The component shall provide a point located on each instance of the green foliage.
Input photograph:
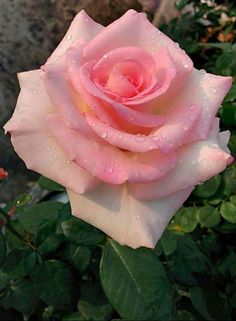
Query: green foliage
(54, 266)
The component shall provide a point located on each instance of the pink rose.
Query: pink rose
(120, 117)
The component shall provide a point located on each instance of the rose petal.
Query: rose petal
(197, 162)
(82, 29)
(116, 137)
(134, 117)
(33, 141)
(146, 36)
(73, 62)
(177, 128)
(127, 220)
(205, 90)
(65, 99)
(107, 162)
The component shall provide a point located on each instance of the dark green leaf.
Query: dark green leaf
(184, 315)
(12, 240)
(229, 176)
(209, 188)
(4, 280)
(76, 316)
(20, 296)
(141, 277)
(81, 233)
(168, 241)
(208, 216)
(225, 266)
(47, 183)
(187, 260)
(55, 284)
(78, 255)
(2, 248)
(228, 212)
(63, 215)
(14, 265)
(185, 220)
(198, 300)
(36, 216)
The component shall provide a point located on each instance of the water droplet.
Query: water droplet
(69, 37)
(119, 135)
(139, 138)
(55, 58)
(68, 161)
(204, 163)
(109, 170)
(185, 127)
(202, 71)
(93, 125)
(186, 65)
(105, 56)
(35, 91)
(48, 148)
(213, 90)
(176, 45)
(104, 135)
(138, 216)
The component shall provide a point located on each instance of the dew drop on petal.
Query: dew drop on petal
(109, 170)
(139, 138)
(103, 134)
(69, 37)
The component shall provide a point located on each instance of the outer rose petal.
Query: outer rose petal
(33, 141)
(129, 221)
(197, 162)
(205, 90)
(82, 29)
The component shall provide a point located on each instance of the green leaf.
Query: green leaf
(14, 265)
(168, 242)
(20, 296)
(4, 280)
(48, 184)
(136, 283)
(227, 263)
(231, 96)
(78, 255)
(198, 300)
(93, 304)
(209, 188)
(55, 284)
(229, 176)
(34, 217)
(2, 248)
(228, 212)
(208, 216)
(184, 315)
(184, 220)
(188, 260)
(81, 232)
(228, 114)
(76, 316)
(51, 244)
(12, 240)
(63, 215)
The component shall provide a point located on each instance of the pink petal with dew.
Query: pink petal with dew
(145, 36)
(81, 30)
(107, 162)
(32, 139)
(196, 163)
(65, 99)
(127, 220)
(73, 62)
(207, 91)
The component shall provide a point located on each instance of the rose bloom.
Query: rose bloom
(119, 116)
